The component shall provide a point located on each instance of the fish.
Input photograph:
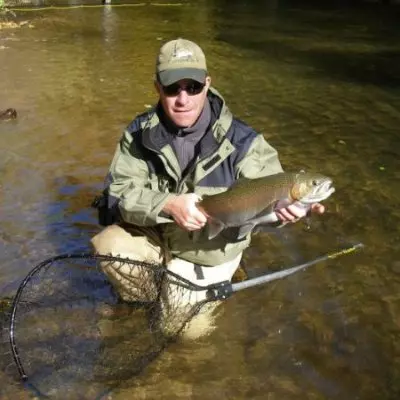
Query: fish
(252, 202)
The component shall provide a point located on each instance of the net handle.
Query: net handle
(222, 290)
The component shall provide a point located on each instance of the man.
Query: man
(187, 146)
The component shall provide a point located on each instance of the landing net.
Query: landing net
(67, 330)
(67, 326)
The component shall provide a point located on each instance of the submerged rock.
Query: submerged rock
(10, 113)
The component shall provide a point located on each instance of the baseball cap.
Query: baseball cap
(180, 59)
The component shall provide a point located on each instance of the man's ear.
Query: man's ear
(208, 81)
(157, 86)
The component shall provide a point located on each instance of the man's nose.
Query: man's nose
(182, 98)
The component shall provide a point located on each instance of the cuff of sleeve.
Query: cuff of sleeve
(146, 213)
(157, 210)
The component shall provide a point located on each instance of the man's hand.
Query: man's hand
(293, 212)
(183, 210)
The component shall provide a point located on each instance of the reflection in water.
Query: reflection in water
(322, 85)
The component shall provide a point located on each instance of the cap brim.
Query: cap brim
(171, 76)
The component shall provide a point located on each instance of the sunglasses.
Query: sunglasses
(192, 88)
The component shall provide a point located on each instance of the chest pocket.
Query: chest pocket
(159, 179)
(161, 183)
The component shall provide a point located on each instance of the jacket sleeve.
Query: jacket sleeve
(261, 160)
(130, 186)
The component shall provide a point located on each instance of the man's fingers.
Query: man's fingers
(191, 226)
(284, 215)
(194, 212)
(199, 217)
(318, 208)
(291, 213)
(297, 212)
(194, 221)
(185, 212)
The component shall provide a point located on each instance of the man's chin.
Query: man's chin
(184, 122)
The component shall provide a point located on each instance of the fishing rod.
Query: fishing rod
(222, 290)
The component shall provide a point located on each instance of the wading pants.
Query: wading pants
(134, 283)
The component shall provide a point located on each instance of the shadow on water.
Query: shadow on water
(70, 220)
(300, 36)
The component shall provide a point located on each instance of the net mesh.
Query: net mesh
(69, 329)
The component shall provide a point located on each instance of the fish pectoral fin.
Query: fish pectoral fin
(215, 227)
(244, 230)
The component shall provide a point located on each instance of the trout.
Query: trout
(251, 202)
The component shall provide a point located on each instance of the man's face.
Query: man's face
(183, 101)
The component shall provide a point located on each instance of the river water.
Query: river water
(322, 85)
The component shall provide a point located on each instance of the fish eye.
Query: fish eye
(315, 182)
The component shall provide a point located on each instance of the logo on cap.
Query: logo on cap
(182, 54)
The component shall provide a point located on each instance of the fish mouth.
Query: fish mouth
(319, 192)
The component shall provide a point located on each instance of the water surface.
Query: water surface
(321, 84)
